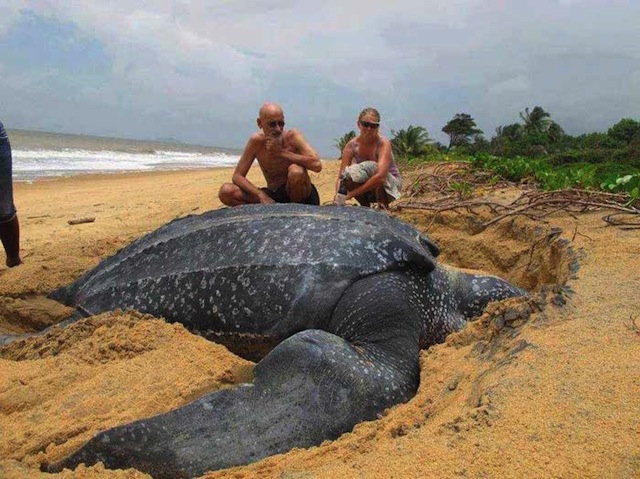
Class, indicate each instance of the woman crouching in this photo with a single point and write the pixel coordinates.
(368, 171)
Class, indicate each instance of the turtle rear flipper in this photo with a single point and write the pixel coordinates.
(312, 387)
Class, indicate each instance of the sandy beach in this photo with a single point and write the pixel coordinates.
(541, 388)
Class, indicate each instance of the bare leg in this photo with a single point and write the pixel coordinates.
(382, 198)
(10, 236)
(365, 199)
(298, 184)
(231, 195)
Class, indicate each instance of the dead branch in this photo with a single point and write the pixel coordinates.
(633, 326)
(438, 189)
(624, 220)
(79, 221)
(565, 204)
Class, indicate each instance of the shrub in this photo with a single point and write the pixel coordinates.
(580, 156)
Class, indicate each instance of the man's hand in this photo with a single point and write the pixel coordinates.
(265, 199)
(273, 145)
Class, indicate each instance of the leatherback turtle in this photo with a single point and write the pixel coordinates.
(352, 293)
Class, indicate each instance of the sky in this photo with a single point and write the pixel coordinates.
(198, 70)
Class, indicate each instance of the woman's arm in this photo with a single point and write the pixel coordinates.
(345, 160)
(377, 180)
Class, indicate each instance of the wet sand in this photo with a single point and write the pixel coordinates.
(548, 388)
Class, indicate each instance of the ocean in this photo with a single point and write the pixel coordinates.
(38, 155)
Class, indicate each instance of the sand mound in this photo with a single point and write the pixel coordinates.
(61, 388)
(543, 387)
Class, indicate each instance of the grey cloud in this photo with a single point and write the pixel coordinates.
(203, 68)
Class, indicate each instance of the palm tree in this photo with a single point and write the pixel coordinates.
(341, 142)
(536, 119)
(411, 142)
(555, 132)
(511, 132)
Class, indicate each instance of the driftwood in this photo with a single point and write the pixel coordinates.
(624, 220)
(456, 187)
(79, 221)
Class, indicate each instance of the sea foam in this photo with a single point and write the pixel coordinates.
(30, 164)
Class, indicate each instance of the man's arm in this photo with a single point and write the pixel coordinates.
(239, 177)
(307, 156)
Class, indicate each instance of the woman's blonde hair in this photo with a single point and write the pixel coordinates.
(369, 111)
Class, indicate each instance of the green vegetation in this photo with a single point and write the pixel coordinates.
(460, 130)
(606, 176)
(537, 149)
(341, 142)
(414, 142)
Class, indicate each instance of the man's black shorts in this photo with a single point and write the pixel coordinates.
(280, 195)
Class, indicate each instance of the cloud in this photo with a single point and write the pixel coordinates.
(516, 84)
(199, 70)
(10, 14)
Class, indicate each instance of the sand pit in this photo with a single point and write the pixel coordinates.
(539, 388)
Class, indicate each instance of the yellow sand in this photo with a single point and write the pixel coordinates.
(552, 393)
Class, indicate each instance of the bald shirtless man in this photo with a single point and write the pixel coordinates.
(284, 158)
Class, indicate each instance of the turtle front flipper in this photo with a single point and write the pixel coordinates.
(474, 292)
(312, 387)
